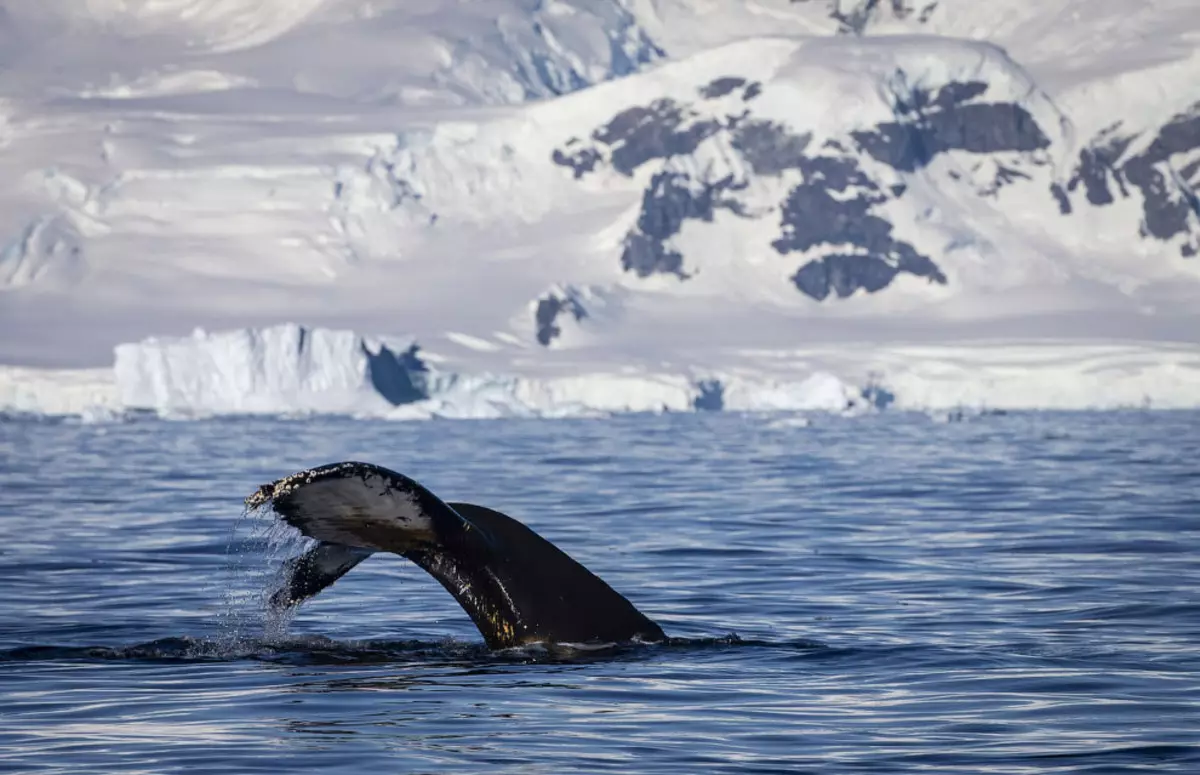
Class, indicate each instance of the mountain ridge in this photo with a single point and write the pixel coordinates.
(864, 161)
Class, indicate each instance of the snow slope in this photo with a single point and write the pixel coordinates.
(536, 190)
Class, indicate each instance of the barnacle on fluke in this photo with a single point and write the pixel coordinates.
(259, 497)
(282, 487)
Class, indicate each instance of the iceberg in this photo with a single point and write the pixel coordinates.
(295, 369)
(76, 392)
(283, 368)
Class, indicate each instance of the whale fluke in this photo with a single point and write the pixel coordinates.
(516, 586)
(317, 568)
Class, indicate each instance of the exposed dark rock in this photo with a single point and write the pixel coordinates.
(1060, 196)
(641, 134)
(833, 209)
(988, 128)
(1180, 135)
(909, 260)
(1097, 164)
(646, 256)
(1167, 205)
(666, 204)
(720, 87)
(769, 148)
(930, 124)
(660, 144)
(812, 216)
(846, 273)
(1170, 202)
(629, 121)
(581, 160)
(837, 173)
(662, 130)
(710, 396)
(843, 275)
(548, 309)
(1170, 198)
(957, 92)
(1004, 176)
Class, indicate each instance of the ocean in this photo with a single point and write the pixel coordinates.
(1004, 593)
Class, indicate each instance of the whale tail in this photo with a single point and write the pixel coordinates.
(313, 571)
(516, 586)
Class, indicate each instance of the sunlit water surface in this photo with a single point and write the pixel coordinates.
(1008, 594)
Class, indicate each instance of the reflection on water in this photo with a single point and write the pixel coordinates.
(1011, 594)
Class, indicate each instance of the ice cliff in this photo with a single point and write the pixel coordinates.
(288, 369)
(284, 368)
(291, 368)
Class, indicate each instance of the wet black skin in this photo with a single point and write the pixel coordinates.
(516, 586)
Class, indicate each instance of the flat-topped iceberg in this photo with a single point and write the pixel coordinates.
(283, 368)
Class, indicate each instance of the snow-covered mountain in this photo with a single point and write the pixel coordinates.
(543, 188)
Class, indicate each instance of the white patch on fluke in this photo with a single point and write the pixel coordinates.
(346, 510)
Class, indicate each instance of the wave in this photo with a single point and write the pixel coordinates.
(317, 650)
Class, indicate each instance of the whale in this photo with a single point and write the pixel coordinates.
(516, 586)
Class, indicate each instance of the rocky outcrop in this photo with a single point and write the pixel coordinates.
(1164, 174)
(833, 207)
(932, 122)
(834, 212)
(669, 200)
(549, 308)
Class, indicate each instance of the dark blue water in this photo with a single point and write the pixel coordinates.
(1011, 594)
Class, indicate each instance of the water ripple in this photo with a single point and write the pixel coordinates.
(1012, 594)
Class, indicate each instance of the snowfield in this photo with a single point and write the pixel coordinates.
(567, 207)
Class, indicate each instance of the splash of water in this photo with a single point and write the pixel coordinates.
(254, 570)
